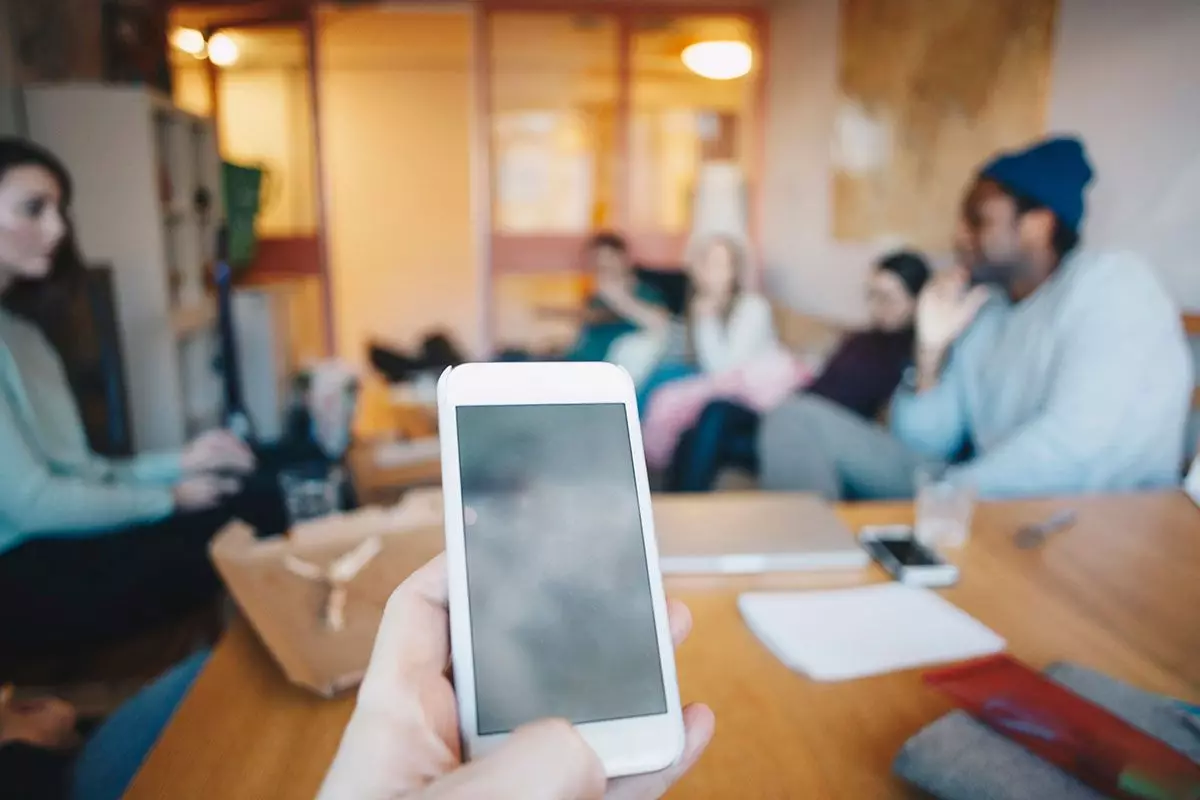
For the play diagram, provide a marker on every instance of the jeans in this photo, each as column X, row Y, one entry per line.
column 114, row 752
column 726, row 434
column 809, row 444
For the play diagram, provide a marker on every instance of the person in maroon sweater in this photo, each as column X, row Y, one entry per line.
column 861, row 375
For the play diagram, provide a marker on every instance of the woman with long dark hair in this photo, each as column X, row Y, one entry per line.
column 91, row 549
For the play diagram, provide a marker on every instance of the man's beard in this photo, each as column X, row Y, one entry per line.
column 1004, row 274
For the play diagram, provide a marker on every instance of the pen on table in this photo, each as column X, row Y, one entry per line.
column 1189, row 717
column 1035, row 533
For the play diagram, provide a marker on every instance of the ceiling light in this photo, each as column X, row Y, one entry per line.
column 719, row 61
column 189, row 40
column 222, row 50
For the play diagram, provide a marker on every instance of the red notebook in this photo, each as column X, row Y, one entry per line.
column 1074, row 734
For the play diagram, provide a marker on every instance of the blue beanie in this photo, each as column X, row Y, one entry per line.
column 1053, row 173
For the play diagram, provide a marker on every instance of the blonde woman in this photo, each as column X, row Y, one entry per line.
column 731, row 352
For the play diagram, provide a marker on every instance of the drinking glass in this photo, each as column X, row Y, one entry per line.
column 311, row 491
column 945, row 506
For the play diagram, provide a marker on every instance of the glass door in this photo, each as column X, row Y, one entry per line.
column 553, row 128
column 595, row 122
column 691, row 135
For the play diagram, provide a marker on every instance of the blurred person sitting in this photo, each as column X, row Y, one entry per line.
column 621, row 305
column 1054, row 369
column 92, row 550
column 723, row 324
column 860, row 376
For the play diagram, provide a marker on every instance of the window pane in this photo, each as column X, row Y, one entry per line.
column 553, row 112
column 266, row 121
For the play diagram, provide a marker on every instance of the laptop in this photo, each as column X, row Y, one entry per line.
column 751, row 532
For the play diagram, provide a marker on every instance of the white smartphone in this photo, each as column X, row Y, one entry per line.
column 896, row 550
column 557, row 606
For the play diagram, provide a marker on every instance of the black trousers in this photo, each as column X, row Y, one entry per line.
column 62, row 596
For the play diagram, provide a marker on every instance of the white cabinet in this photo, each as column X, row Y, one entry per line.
column 261, row 321
column 141, row 168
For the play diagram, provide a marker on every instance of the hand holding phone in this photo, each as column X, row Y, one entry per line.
column 402, row 740
column 557, row 608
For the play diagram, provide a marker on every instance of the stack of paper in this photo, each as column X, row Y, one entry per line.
column 853, row 633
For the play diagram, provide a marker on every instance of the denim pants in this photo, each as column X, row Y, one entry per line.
column 114, row 752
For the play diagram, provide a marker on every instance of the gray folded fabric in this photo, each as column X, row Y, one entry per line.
column 958, row 758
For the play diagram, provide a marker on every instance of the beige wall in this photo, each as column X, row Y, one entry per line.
column 395, row 94
column 805, row 267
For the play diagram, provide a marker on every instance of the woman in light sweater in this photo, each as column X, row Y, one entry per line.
column 729, row 323
column 731, row 350
column 91, row 549
column 721, row 325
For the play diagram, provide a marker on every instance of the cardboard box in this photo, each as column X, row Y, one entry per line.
column 285, row 609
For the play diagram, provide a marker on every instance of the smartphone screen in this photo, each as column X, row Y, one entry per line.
column 562, row 621
column 909, row 552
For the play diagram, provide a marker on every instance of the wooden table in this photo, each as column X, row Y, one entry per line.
column 1120, row 592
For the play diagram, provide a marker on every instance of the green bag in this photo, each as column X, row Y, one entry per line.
column 241, row 188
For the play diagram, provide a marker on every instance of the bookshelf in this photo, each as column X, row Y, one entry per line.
column 147, row 201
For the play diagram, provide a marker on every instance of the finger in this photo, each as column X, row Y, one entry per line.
column 698, row 725
column 547, row 760
column 228, row 486
column 414, row 635
column 680, row 617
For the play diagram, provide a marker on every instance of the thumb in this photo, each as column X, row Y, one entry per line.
column 547, row 760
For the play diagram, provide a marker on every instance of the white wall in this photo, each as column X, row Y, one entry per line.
column 1127, row 77
column 1124, row 78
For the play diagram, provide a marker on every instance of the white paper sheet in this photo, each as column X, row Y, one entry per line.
column 869, row 630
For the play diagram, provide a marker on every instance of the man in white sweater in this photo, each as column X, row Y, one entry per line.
column 1051, row 369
